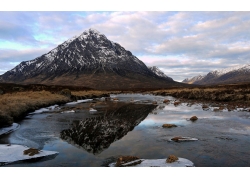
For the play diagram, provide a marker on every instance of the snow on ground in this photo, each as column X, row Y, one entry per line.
column 71, row 111
column 14, row 152
column 9, row 129
column 181, row 162
column 50, row 108
column 79, row 101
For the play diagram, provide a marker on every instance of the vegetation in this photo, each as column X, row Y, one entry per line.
column 14, row 106
column 220, row 93
column 17, row 100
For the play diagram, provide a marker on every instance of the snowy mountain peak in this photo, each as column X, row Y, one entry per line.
column 223, row 71
column 233, row 74
column 89, row 54
column 158, row 72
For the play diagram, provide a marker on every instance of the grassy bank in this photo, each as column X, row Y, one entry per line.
column 14, row 106
column 222, row 93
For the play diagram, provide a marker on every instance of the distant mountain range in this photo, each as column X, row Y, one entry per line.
column 89, row 60
column 237, row 74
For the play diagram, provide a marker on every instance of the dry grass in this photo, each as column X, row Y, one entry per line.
column 15, row 105
column 230, row 93
column 91, row 93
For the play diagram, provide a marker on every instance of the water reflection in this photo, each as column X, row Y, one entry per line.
column 96, row 133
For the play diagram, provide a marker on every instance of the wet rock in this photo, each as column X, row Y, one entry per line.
column 176, row 103
column 166, row 101
column 221, row 108
column 171, row 159
column 193, row 118
column 121, row 161
column 154, row 102
column 216, row 109
column 31, row 151
column 205, row 106
column 168, row 125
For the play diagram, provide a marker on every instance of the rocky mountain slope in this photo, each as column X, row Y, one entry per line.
column 237, row 74
column 89, row 60
column 159, row 73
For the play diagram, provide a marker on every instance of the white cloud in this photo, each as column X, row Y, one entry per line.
column 183, row 44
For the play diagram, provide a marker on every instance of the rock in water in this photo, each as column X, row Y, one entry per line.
column 193, row 118
column 171, row 159
column 168, row 125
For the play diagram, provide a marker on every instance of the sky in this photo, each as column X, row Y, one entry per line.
column 182, row 43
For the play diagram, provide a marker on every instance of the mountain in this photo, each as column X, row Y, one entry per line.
column 237, row 74
column 89, row 60
column 193, row 79
column 159, row 73
column 97, row 133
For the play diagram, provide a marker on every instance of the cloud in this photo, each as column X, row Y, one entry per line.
column 182, row 44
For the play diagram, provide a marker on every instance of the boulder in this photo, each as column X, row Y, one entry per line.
column 176, row 103
column 168, row 125
column 205, row 106
column 193, row 118
column 166, row 101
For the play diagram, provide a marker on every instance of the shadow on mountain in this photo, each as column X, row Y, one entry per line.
column 95, row 134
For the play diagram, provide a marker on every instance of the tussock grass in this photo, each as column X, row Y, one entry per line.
column 92, row 92
column 14, row 106
column 220, row 93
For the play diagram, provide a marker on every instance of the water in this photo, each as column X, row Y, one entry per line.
column 133, row 126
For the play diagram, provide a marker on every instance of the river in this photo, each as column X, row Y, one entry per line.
column 132, row 125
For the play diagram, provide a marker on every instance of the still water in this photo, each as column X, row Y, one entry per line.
column 132, row 125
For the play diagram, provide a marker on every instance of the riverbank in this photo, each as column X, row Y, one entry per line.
column 231, row 94
column 15, row 106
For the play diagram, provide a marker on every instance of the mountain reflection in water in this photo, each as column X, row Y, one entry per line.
column 95, row 134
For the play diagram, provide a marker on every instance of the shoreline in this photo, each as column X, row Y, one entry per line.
column 15, row 106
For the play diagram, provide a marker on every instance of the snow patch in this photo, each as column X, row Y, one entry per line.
column 42, row 110
column 181, row 162
column 13, row 153
column 79, row 101
column 7, row 130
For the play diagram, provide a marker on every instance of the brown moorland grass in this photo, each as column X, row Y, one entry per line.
column 225, row 93
column 15, row 105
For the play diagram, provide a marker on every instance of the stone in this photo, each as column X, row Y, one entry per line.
column 171, row 159
column 204, row 106
column 168, row 125
column 176, row 103
column 166, row 101
column 193, row 118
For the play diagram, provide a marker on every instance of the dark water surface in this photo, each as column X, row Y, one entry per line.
column 133, row 126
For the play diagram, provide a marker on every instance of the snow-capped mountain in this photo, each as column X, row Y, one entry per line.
column 98, row 132
column 89, row 59
column 159, row 73
column 236, row 74
column 193, row 79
